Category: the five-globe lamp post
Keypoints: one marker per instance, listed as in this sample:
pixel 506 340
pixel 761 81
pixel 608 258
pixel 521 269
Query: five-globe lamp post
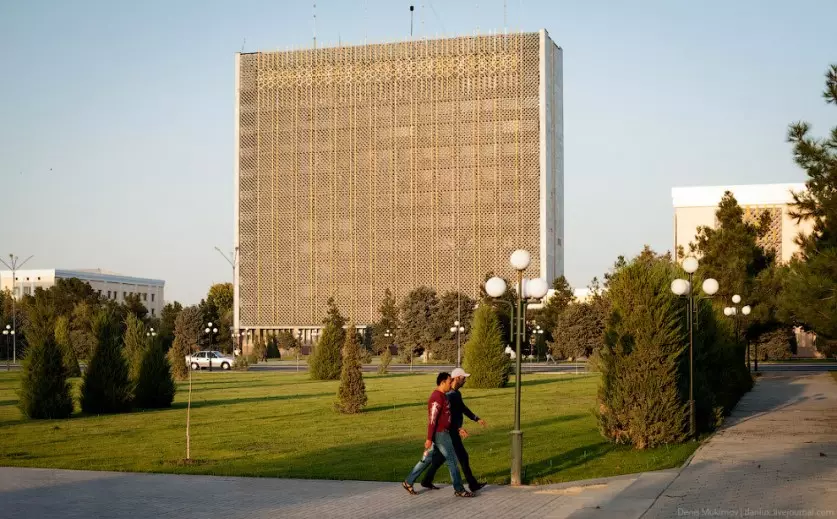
pixel 683 288
pixel 209 331
pixel 8 332
pixel 737 314
pixel 391 336
pixel 528 292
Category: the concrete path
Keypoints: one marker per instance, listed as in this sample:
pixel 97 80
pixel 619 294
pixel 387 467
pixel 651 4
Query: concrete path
pixel 776 456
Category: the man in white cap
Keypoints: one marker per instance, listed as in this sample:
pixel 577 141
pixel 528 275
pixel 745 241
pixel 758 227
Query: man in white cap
pixel 458 409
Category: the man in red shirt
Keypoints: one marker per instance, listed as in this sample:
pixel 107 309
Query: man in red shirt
pixel 438 437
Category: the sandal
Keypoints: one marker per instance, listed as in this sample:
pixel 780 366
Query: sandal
pixel 409 488
pixel 464 493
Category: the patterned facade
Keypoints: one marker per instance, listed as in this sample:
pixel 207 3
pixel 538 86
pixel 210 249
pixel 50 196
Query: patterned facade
pixel 772 239
pixel 393 166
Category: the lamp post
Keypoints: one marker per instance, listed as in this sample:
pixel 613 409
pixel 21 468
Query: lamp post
pixel 13 265
pixel 533 289
pixel 734 312
pixel 298 346
pixel 7 331
pixel 458 329
pixel 209 331
pixel 389 335
pixel 682 287
pixel 536 335
pixel 151 333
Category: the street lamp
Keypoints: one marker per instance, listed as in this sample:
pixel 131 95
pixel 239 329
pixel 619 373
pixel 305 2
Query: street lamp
pixel 298 346
pixel 458 329
pixel 151 333
pixel 682 287
pixel 209 331
pixel 389 335
pixel 733 311
pixel 536 337
pixel 13 265
pixel 7 331
pixel 531 290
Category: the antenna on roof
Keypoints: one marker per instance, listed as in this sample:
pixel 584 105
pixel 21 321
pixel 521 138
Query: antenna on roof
pixel 315 24
pixel 504 16
pixel 411 20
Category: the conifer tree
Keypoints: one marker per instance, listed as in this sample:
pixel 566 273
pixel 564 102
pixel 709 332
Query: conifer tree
pixel 352 392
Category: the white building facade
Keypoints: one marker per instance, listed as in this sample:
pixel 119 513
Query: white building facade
pixel 108 285
pixel 695 207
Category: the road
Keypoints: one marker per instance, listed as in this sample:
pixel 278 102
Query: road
pixel 290 367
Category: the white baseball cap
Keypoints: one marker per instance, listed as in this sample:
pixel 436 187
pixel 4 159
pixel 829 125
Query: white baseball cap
pixel 459 372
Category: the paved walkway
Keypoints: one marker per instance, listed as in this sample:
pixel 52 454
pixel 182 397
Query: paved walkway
pixel 777 453
pixel 775 456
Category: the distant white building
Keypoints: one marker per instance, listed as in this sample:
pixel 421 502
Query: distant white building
pixel 108 285
pixel 580 295
pixel 695 207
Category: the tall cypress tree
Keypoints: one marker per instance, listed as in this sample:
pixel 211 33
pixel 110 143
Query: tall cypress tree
pixel 351 396
pixel 641 399
pixel 154 386
pixel 62 338
pixel 106 387
pixel 44 391
pixel 136 344
pixel 326 360
pixel 485 358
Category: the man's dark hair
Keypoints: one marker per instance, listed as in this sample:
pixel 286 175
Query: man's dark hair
pixel 444 375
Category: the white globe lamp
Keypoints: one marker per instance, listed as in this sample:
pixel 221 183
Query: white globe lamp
pixel 690 265
pixel 680 287
pixel 710 286
pixel 495 287
pixel 536 288
pixel 520 259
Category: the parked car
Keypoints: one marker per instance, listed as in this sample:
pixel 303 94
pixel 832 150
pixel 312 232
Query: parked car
pixel 201 359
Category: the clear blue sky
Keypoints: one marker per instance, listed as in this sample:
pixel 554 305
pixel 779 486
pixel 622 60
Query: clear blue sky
pixel 116 117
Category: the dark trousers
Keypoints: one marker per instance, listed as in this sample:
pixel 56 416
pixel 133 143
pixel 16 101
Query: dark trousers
pixel 461 456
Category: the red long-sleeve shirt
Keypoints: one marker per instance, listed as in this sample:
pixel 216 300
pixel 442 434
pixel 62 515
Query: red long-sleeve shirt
pixel 438 411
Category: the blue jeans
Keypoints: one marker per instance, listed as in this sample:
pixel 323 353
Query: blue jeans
pixel 442 442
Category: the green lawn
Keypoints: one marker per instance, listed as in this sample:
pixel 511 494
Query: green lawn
pixel 282 425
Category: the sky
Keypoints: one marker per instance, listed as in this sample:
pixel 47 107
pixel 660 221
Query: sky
pixel 116 117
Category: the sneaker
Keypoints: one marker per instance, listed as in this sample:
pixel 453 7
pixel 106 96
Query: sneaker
pixel 464 493
pixel 476 487
pixel 430 486
pixel 409 488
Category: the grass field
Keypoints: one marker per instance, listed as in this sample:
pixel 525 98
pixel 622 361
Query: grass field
pixel 283 425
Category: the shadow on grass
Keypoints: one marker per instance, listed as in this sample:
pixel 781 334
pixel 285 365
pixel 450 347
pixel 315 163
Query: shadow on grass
pixel 8 402
pixel 212 403
pixel 390 407
pixel 542 381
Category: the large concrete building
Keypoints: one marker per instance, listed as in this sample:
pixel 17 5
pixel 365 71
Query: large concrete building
pixel 391 166
pixel 108 285
pixel 695 207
